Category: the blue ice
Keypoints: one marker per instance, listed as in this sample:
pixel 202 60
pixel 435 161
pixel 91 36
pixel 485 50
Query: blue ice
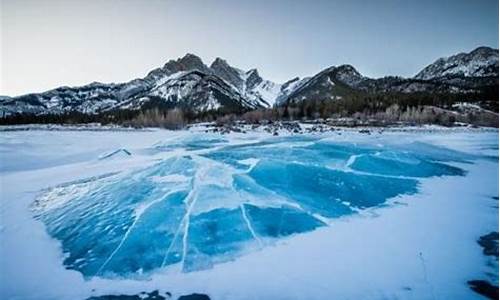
pixel 198 209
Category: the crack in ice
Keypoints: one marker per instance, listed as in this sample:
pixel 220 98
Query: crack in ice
pixel 172 243
pixel 249 225
pixel 190 201
pixel 118 247
pixel 212 193
pixel 138 213
pixel 177 232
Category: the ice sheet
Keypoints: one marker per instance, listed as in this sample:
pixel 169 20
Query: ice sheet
pixel 197 216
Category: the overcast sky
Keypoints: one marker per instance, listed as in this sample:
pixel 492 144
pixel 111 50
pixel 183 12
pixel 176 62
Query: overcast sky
pixel 49 43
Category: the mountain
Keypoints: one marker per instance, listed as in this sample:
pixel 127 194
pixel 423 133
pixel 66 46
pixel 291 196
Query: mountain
pixel 474 70
pixel 335 83
pixel 326 85
pixel 465 73
pixel 289 87
pixel 185 83
pixel 249 83
pixel 189 84
pixel 481 62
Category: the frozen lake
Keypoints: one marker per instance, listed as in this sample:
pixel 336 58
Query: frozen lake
pixel 115 211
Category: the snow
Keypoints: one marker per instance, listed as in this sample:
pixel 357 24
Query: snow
pixel 290 88
pixel 265 90
pixel 168 78
pixel 212 103
pixel 478 63
pixel 173 87
pixel 268 91
pixel 418 244
pixel 466 105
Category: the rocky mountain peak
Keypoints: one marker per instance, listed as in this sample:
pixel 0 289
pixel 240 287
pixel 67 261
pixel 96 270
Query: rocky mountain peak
pixel 485 51
pixel 219 62
pixel 289 82
pixel 253 72
pixel 192 62
pixel 253 78
pixel 480 62
pixel 221 68
pixel 347 69
pixel 189 62
pixel 347 74
pixel 177 85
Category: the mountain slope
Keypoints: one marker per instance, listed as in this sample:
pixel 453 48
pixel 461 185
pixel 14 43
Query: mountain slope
pixel 473 72
pixel 481 62
pixel 189 84
pixel 191 90
pixel 334 83
pixel 186 82
pixel 326 85
pixel 250 84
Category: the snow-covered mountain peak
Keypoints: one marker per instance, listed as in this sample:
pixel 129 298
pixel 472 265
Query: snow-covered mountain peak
pixel 289 87
pixel 253 72
pixel 188 83
pixel 348 74
pixel 264 91
pixel 486 53
pixel 253 78
pixel 189 62
pixel 219 62
pixel 232 75
pixel 481 62
pixel 348 69
pixel 249 83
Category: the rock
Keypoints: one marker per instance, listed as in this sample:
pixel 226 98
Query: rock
pixel 484 288
pixel 489 242
pixel 154 295
pixel 194 297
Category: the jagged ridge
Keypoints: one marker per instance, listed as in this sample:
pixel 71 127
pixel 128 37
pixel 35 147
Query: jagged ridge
pixel 189 84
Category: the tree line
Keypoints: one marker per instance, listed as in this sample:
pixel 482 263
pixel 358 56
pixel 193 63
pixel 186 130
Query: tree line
pixel 359 105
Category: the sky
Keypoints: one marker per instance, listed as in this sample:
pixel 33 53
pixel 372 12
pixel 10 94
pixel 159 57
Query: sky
pixel 51 43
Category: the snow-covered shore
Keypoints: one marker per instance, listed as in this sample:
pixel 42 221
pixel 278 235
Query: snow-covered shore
pixel 282 127
pixel 420 246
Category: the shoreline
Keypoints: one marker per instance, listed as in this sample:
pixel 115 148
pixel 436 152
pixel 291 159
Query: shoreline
pixel 292 127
